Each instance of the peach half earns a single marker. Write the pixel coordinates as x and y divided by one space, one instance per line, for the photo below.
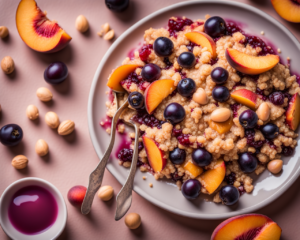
203 40
211 179
37 31
155 156
288 9
156 92
247 227
221 127
118 75
293 112
248 64
192 169
245 97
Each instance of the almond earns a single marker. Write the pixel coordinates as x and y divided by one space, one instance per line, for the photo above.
105 193
66 127
41 148
32 112
7 65
3 32
220 115
19 162
44 94
52 119
109 35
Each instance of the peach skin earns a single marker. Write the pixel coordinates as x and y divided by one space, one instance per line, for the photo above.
245 97
76 195
293 112
288 9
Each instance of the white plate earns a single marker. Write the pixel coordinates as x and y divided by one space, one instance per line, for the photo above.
267 186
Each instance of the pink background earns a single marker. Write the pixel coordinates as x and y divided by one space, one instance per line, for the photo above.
72 158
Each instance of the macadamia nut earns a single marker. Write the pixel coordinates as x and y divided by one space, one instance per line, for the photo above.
106 193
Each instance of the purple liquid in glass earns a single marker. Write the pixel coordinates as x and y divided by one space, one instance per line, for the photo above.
32 210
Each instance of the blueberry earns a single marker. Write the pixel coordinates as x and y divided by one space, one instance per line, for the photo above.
117 5
136 100
151 72
163 47
248 119
270 131
201 157
229 195
247 162
277 98
177 156
11 135
220 93
219 75
186 60
215 27
174 113
186 87
191 189
56 73
287 151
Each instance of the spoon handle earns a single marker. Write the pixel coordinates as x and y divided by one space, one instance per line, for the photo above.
96 176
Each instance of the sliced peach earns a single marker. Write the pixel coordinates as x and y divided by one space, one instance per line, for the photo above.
155 156
193 169
293 112
156 92
288 9
221 128
118 75
203 40
245 97
211 179
248 64
247 227
37 31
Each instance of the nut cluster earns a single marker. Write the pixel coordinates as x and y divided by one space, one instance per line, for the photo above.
106 32
7 65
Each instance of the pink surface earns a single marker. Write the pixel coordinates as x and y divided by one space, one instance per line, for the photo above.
72 158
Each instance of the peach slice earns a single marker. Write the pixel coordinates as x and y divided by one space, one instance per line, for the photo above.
293 112
203 40
118 75
156 92
245 97
193 169
288 9
248 64
221 128
211 179
37 31
247 227
155 156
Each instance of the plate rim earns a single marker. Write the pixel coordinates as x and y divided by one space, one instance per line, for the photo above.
146 196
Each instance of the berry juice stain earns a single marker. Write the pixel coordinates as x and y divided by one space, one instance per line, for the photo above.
32 210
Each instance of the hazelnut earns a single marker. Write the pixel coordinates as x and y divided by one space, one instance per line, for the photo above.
220 115
66 127
275 166
19 162
200 96
44 94
82 24
41 148
105 27
7 65
32 112
52 119
109 35
3 32
133 220
105 193
263 111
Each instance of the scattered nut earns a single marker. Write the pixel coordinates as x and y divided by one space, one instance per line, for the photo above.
262 33
66 127
105 27
279 50
263 111
133 220
44 94
19 162
82 24
220 115
109 35
200 96
275 166
100 33
151 185
7 65
52 119
3 32
144 178
106 193
32 112
41 148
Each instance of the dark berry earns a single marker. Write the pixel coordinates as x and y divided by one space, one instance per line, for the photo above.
186 60
151 72
201 157
270 130
163 47
191 189
248 119
287 151
219 75
277 98
220 93
229 195
125 155
247 162
178 24
174 113
186 87
136 100
177 156
117 5
56 73
11 135
215 27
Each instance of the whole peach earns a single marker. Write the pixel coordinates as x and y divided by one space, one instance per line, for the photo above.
76 195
